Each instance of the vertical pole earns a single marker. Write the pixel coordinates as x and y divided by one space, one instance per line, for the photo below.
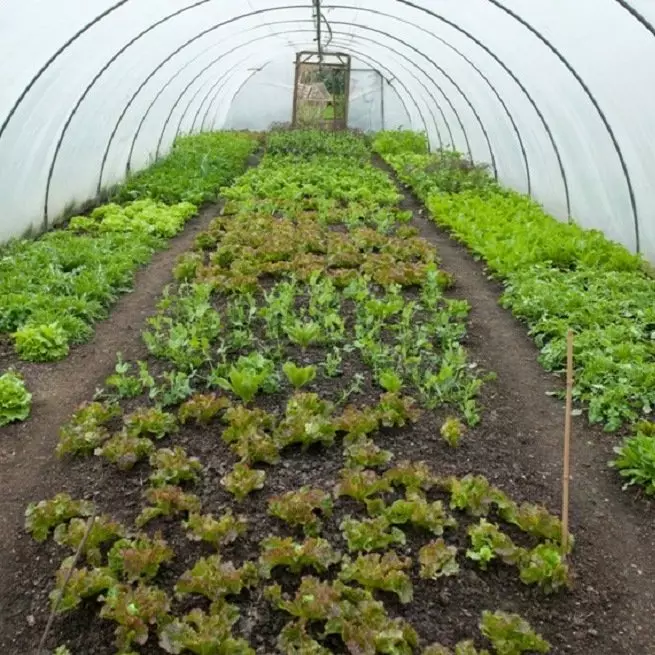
567 443
347 91
294 117
381 99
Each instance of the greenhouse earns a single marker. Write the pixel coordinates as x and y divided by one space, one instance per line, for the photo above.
327 327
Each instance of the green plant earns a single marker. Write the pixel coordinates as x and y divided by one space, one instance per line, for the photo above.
173 465
205 634
509 634
544 566
127 386
217 532
294 640
139 558
301 508
15 400
475 495
489 543
395 411
366 453
304 333
46 515
313 553
150 422
390 381
370 534
299 377
314 600
202 408
452 431
41 343
135 610
82 584
86 429
167 501
437 560
243 480
104 530
308 420
420 513
124 450
332 363
244 381
385 572
215 579
414 476
360 484
357 423
635 459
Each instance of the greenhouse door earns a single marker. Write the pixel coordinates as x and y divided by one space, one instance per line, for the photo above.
321 90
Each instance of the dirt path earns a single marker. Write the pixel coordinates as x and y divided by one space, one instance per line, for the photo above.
615 531
28 468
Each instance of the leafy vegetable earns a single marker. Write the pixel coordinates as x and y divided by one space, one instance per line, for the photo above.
510 634
15 400
301 508
45 515
437 560
213 578
243 480
370 534
299 377
217 532
313 553
385 572
139 558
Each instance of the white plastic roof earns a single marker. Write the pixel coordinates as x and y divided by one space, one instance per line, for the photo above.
557 96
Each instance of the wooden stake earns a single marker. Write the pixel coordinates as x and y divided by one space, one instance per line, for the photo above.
567 443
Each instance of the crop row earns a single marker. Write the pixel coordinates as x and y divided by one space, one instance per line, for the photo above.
53 289
308 340
556 276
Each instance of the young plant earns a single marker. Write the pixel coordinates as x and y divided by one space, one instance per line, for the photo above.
544 566
46 515
332 364
41 343
420 513
308 420
167 501
414 476
202 408
475 495
390 381
314 600
357 423
82 584
294 639
172 466
205 634
135 610
244 382
86 429
360 484
139 558
313 553
217 532
243 480
535 520
366 453
150 422
384 572
437 560
301 508
103 531
304 333
15 400
452 431
299 377
215 579
370 534
635 459
489 543
395 411
126 386
125 451
509 634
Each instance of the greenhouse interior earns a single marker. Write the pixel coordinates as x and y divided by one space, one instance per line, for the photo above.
327 327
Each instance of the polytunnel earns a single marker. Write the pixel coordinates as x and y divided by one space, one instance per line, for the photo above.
553 95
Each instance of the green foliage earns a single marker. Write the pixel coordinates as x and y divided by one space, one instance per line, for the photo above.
194 171
397 142
509 634
390 381
202 408
248 376
420 513
173 465
46 515
125 451
243 480
488 542
299 376
544 566
308 420
437 560
360 484
217 532
61 650
533 519
314 600
150 422
126 386
313 553
385 572
295 640
301 508
414 476
205 634
135 610
304 333
215 579
82 583
139 558
41 343
15 400
635 459
86 429
367 454
309 143
395 411
475 495
167 501
452 431
357 423
103 531
371 534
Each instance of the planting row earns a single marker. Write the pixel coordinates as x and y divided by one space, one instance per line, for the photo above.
557 276
254 488
53 289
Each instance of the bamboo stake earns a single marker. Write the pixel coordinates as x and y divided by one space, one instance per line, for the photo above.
567 443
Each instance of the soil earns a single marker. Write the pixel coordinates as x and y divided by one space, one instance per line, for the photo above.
609 611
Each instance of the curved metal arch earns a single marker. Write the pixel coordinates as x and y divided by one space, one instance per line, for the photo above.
452 81
53 58
594 102
116 55
517 81
637 15
358 53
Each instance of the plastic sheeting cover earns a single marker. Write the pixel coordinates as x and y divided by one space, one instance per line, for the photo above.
556 95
